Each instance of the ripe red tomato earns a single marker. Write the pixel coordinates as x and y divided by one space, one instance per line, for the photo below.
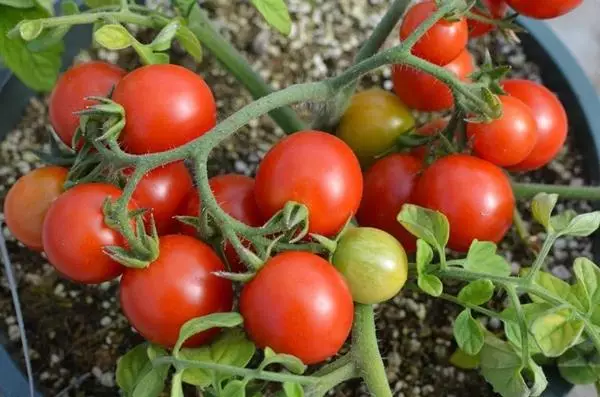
441 43
389 184
494 9
166 106
163 190
28 201
544 9
550 117
421 91
75 234
178 286
69 93
316 169
431 128
509 139
474 194
298 304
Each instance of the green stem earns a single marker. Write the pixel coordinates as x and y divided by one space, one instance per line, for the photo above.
333 378
479 309
465 275
416 35
592 333
539 261
124 6
365 352
529 190
514 298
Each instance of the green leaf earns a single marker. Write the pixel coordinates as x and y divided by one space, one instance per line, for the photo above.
30 30
201 324
113 37
578 369
424 256
184 6
561 221
477 292
101 3
48 5
18 3
69 7
190 43
431 226
501 367
152 383
149 57
430 284
576 225
235 388
542 207
162 41
176 385
540 383
588 275
155 351
292 389
556 331
130 367
232 348
468 333
482 258
463 360
291 363
558 289
512 328
275 13
196 376
38 70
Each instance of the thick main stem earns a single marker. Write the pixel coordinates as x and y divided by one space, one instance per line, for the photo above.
529 190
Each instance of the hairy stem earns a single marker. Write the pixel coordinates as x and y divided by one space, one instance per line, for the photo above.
539 261
333 378
514 298
529 190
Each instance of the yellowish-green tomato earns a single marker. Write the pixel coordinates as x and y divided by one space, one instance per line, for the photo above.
373 122
373 263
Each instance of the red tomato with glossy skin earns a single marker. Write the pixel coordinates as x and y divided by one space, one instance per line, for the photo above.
421 91
69 93
551 120
166 106
298 304
474 194
443 42
316 169
389 184
163 190
507 140
75 234
494 9
28 201
545 9
178 286
432 128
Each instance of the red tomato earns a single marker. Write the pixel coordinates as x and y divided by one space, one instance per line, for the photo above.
163 190
545 9
28 201
77 83
389 184
422 91
432 128
298 304
494 9
316 169
177 287
507 140
441 43
474 194
75 234
550 117
166 106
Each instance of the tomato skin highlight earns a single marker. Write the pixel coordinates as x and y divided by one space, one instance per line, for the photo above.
551 120
443 42
475 195
69 93
166 106
495 9
509 139
298 304
373 122
389 184
546 9
163 190
74 234
315 169
421 91
178 286
373 263
28 201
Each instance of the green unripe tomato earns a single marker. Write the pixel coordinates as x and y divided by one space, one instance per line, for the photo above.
373 122
373 263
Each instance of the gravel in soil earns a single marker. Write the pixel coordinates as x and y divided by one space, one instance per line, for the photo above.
77 332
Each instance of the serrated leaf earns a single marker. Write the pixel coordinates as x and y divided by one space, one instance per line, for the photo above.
430 284
577 369
235 388
477 292
556 331
501 367
482 258
190 43
291 363
113 37
424 256
275 13
292 389
201 324
30 30
463 360
542 206
468 333
162 41
431 226
130 367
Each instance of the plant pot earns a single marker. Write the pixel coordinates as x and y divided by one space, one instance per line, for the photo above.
560 73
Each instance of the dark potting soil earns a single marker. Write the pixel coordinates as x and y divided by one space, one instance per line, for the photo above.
76 333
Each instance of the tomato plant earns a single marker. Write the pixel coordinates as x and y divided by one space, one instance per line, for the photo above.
69 93
28 201
421 91
432 128
74 234
373 263
509 139
309 305
494 9
178 286
546 10
330 183
372 124
484 211
175 116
